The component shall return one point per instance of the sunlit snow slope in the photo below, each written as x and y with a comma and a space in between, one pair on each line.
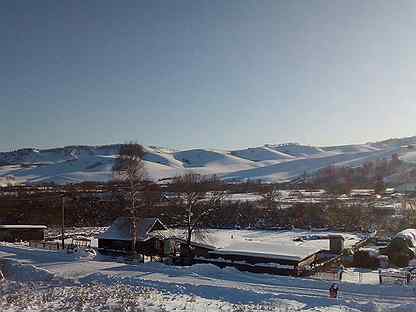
271, 162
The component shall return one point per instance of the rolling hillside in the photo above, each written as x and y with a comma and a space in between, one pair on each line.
271, 162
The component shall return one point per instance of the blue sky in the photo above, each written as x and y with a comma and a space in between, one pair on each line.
219, 74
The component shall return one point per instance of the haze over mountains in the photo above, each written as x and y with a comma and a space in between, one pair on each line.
271, 162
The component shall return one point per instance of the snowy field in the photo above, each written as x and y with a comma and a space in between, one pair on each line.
40, 280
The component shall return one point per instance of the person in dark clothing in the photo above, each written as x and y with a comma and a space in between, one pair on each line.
333, 290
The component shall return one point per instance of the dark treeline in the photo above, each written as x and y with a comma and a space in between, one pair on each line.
101, 208
342, 180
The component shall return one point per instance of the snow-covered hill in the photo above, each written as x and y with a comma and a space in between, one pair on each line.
271, 162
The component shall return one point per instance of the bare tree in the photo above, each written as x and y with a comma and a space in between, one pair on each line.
271, 195
129, 168
198, 197
272, 199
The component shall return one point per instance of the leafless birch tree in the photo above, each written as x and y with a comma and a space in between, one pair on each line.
129, 168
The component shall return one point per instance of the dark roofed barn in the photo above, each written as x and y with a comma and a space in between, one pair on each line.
152, 237
20, 232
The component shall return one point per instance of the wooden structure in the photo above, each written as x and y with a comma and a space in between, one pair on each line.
259, 263
259, 258
79, 242
152, 238
45, 245
336, 243
281, 259
19, 232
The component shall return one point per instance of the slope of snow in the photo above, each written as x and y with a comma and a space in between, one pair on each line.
18, 271
410, 156
217, 160
279, 162
358, 148
83, 168
291, 169
55, 155
162, 159
297, 150
106, 285
261, 154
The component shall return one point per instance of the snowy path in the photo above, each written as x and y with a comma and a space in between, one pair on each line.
276, 286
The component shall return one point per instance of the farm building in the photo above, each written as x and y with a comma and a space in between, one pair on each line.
19, 232
151, 240
277, 252
264, 258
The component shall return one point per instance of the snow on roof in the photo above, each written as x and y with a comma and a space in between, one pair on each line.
122, 229
163, 234
21, 226
271, 244
269, 250
363, 192
81, 238
243, 197
408, 234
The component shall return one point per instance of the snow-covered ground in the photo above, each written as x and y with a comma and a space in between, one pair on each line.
39, 280
271, 162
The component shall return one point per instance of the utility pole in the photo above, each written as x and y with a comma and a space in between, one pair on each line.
63, 222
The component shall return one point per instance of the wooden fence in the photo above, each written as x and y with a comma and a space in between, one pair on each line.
45, 245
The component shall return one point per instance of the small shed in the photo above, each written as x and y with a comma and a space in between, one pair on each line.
20, 232
151, 240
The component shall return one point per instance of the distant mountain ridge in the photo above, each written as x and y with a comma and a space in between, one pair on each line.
270, 162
